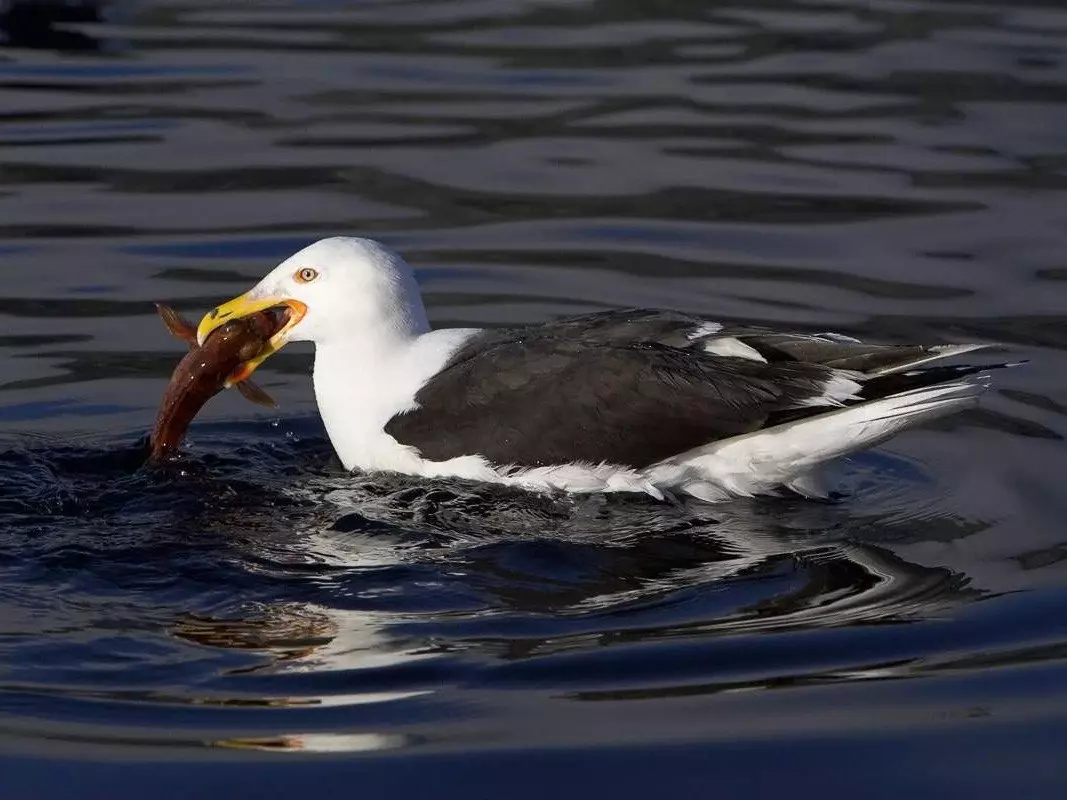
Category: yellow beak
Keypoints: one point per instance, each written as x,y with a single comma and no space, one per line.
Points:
244,306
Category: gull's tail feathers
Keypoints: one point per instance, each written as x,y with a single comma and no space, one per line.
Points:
931,353
758,462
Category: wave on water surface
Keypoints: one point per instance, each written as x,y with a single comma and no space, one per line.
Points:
254,575
891,170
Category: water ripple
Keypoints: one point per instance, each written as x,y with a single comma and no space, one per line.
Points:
894,170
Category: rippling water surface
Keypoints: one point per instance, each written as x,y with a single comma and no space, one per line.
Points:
256,623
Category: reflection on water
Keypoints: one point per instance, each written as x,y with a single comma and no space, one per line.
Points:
383,605
892,169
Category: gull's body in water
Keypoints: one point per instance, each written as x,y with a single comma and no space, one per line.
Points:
634,400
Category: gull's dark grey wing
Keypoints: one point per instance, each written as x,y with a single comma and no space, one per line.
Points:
686,331
540,400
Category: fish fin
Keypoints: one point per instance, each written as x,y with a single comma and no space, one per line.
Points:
251,391
177,324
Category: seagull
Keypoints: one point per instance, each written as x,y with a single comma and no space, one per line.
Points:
635,400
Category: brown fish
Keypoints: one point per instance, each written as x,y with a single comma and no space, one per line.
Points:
207,370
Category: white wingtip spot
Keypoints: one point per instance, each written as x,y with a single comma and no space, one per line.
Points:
733,348
838,337
839,388
704,329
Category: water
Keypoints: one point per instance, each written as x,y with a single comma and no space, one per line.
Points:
255,621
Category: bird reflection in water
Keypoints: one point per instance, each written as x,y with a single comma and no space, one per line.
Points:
292,633
284,631
400,578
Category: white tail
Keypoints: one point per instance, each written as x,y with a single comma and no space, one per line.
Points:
759,461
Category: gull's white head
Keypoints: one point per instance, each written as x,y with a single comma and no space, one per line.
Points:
338,289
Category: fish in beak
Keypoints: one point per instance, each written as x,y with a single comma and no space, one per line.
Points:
206,370
245,306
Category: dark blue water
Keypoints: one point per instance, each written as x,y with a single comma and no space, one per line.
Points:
255,623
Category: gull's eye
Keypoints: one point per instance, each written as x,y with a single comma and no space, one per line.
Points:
306,275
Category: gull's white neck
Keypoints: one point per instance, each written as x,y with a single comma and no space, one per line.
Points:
363,379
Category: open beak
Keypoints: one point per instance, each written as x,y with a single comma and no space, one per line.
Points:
244,306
